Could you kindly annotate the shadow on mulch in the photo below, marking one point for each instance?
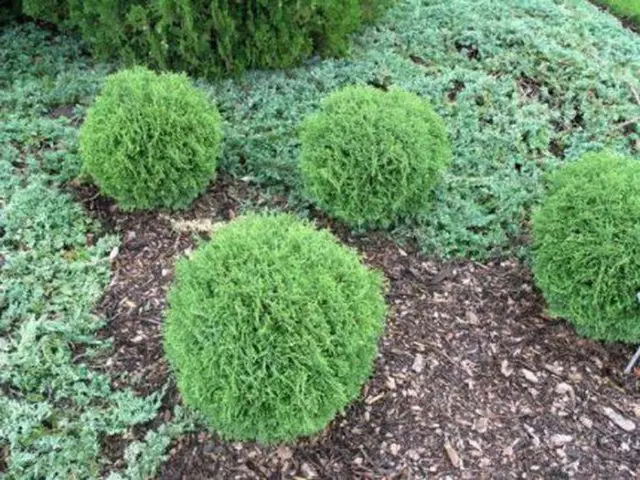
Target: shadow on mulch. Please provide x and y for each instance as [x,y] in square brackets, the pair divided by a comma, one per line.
[472,380]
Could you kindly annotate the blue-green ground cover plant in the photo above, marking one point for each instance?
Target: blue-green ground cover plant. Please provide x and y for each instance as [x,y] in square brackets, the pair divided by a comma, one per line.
[151,140]
[272,328]
[586,246]
[370,157]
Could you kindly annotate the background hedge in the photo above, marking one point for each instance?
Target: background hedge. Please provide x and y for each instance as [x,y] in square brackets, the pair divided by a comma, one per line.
[204,37]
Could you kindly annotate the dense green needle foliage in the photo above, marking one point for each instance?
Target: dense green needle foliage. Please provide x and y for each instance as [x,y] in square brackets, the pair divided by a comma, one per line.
[229,36]
[151,140]
[626,9]
[586,250]
[55,11]
[369,157]
[272,328]
[209,38]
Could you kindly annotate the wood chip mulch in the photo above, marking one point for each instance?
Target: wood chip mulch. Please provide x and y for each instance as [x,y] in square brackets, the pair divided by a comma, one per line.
[472,380]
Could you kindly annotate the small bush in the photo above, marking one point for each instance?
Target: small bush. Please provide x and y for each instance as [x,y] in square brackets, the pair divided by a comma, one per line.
[369,157]
[151,140]
[586,248]
[210,38]
[272,328]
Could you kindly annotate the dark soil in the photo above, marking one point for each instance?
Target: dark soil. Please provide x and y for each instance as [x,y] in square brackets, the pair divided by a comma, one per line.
[472,379]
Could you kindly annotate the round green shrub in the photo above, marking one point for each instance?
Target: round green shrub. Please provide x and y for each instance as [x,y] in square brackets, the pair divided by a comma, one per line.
[370,157]
[151,140]
[272,328]
[586,246]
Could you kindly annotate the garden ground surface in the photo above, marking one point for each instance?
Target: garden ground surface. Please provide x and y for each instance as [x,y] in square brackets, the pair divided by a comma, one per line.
[472,379]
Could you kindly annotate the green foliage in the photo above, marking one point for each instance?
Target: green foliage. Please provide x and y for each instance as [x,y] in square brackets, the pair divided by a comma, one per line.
[55,11]
[211,38]
[370,157]
[236,35]
[151,140]
[272,328]
[627,9]
[586,248]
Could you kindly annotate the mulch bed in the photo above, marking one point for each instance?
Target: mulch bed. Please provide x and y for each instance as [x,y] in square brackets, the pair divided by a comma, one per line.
[472,379]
